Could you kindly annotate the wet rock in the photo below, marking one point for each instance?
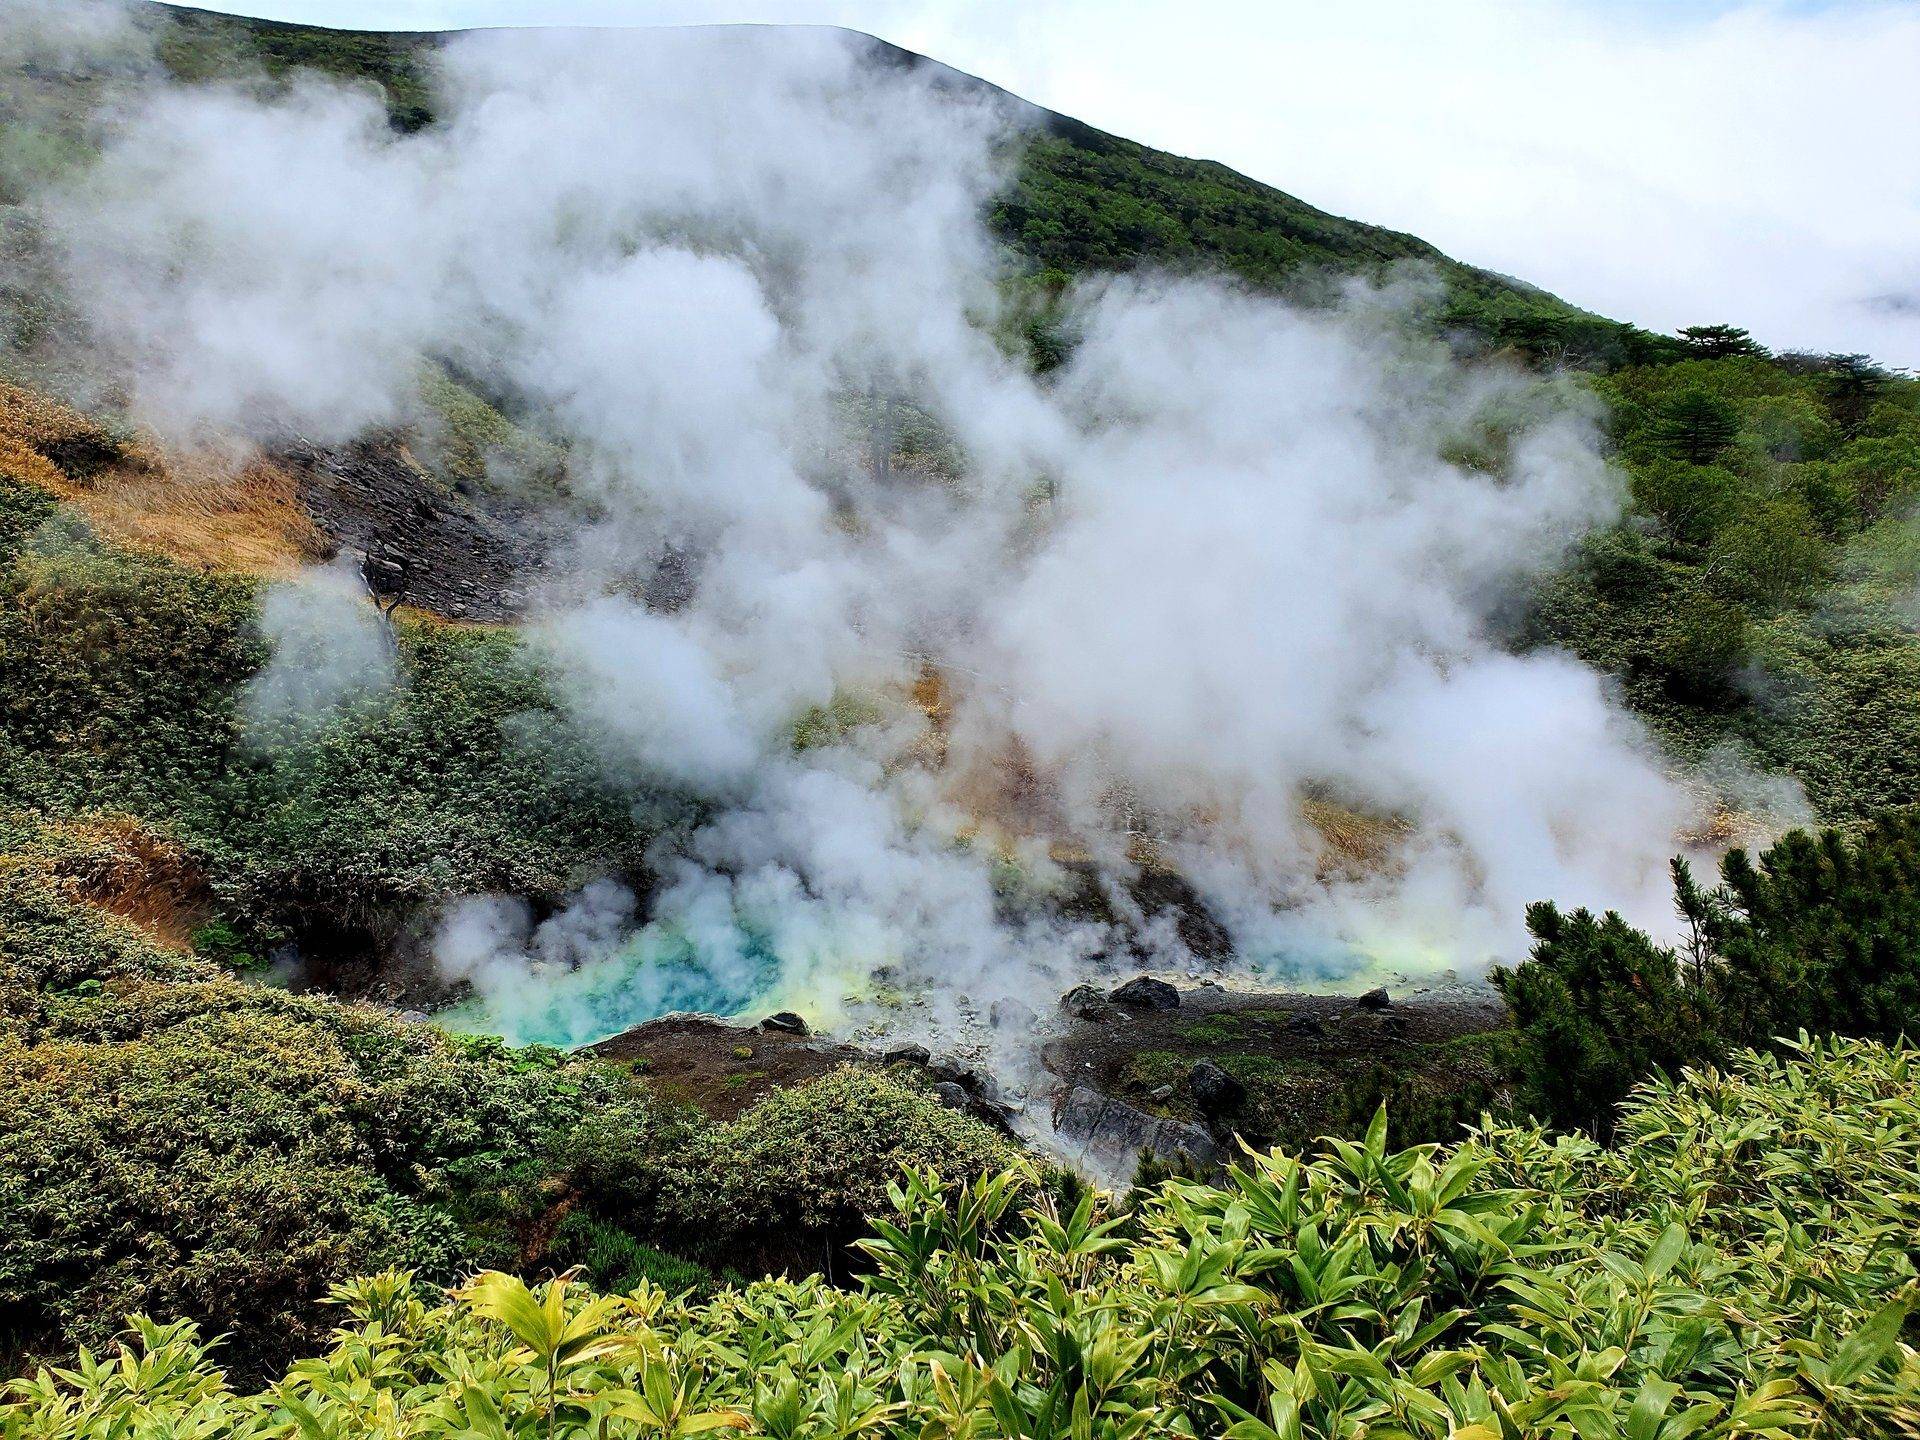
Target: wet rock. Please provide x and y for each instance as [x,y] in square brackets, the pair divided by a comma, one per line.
[1376,999]
[1161,892]
[1215,1092]
[786,1022]
[953,1096]
[1143,992]
[965,1076]
[908,1054]
[1108,1136]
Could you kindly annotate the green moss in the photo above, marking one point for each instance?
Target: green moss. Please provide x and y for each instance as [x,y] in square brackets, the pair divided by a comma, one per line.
[831,723]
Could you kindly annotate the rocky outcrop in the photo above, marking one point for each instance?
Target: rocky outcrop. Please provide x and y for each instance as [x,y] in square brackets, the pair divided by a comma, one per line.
[417,541]
[1143,992]
[1215,1092]
[1107,1137]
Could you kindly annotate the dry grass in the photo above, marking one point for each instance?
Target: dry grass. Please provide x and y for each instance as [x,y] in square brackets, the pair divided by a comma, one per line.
[201,509]
[1354,844]
[117,864]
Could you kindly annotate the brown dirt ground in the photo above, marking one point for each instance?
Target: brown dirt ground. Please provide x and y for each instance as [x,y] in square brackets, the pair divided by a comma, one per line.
[697,1059]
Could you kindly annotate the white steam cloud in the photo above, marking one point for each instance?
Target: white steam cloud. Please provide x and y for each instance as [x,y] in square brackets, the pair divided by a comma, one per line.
[330,648]
[1227,573]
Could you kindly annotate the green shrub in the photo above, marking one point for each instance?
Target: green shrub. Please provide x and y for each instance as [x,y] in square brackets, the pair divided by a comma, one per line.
[1822,934]
[1735,1267]
[792,1180]
[227,1153]
[611,1259]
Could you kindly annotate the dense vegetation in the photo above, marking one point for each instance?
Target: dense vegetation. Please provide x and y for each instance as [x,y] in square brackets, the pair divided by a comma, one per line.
[1085,201]
[1757,599]
[1731,1268]
[1738,1262]
[194,1146]
[1821,934]
[126,674]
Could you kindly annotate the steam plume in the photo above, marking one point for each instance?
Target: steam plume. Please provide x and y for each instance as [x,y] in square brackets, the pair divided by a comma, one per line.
[1225,583]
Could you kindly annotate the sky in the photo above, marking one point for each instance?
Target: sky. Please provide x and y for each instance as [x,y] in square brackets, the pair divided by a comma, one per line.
[1668,163]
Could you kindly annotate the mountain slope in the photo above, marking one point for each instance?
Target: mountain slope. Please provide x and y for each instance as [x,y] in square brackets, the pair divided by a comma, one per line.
[1084,200]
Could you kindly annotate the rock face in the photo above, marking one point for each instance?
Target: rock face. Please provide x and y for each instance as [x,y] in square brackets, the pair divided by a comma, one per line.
[1143,992]
[414,540]
[1215,1092]
[1107,1136]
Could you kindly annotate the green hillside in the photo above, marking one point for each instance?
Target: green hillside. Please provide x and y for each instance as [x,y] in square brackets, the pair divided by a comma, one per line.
[1730,1269]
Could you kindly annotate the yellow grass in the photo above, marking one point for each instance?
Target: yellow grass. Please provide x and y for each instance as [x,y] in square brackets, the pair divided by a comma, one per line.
[1354,843]
[201,509]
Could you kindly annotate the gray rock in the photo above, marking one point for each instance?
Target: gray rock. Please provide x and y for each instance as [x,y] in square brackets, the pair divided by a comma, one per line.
[1083,1002]
[1304,1025]
[786,1022]
[1376,999]
[1010,1014]
[1108,1136]
[1215,1092]
[908,1054]
[952,1096]
[1160,1094]
[1143,992]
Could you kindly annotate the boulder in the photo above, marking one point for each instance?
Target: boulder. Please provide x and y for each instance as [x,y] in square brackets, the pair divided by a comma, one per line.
[1083,1002]
[1304,1025]
[952,1096]
[786,1022]
[909,1054]
[1108,1136]
[1143,992]
[1011,1014]
[1215,1092]
[1376,999]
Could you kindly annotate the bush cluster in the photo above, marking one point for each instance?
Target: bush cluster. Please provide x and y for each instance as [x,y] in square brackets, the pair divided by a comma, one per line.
[1729,1269]
[200,1147]
[1822,933]
[1757,593]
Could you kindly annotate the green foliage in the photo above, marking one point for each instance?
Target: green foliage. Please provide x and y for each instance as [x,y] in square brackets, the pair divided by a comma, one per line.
[1730,1269]
[473,444]
[793,1178]
[1822,934]
[228,1152]
[1085,201]
[126,674]
[612,1259]
[1717,342]
[199,47]
[1697,425]
[1759,591]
